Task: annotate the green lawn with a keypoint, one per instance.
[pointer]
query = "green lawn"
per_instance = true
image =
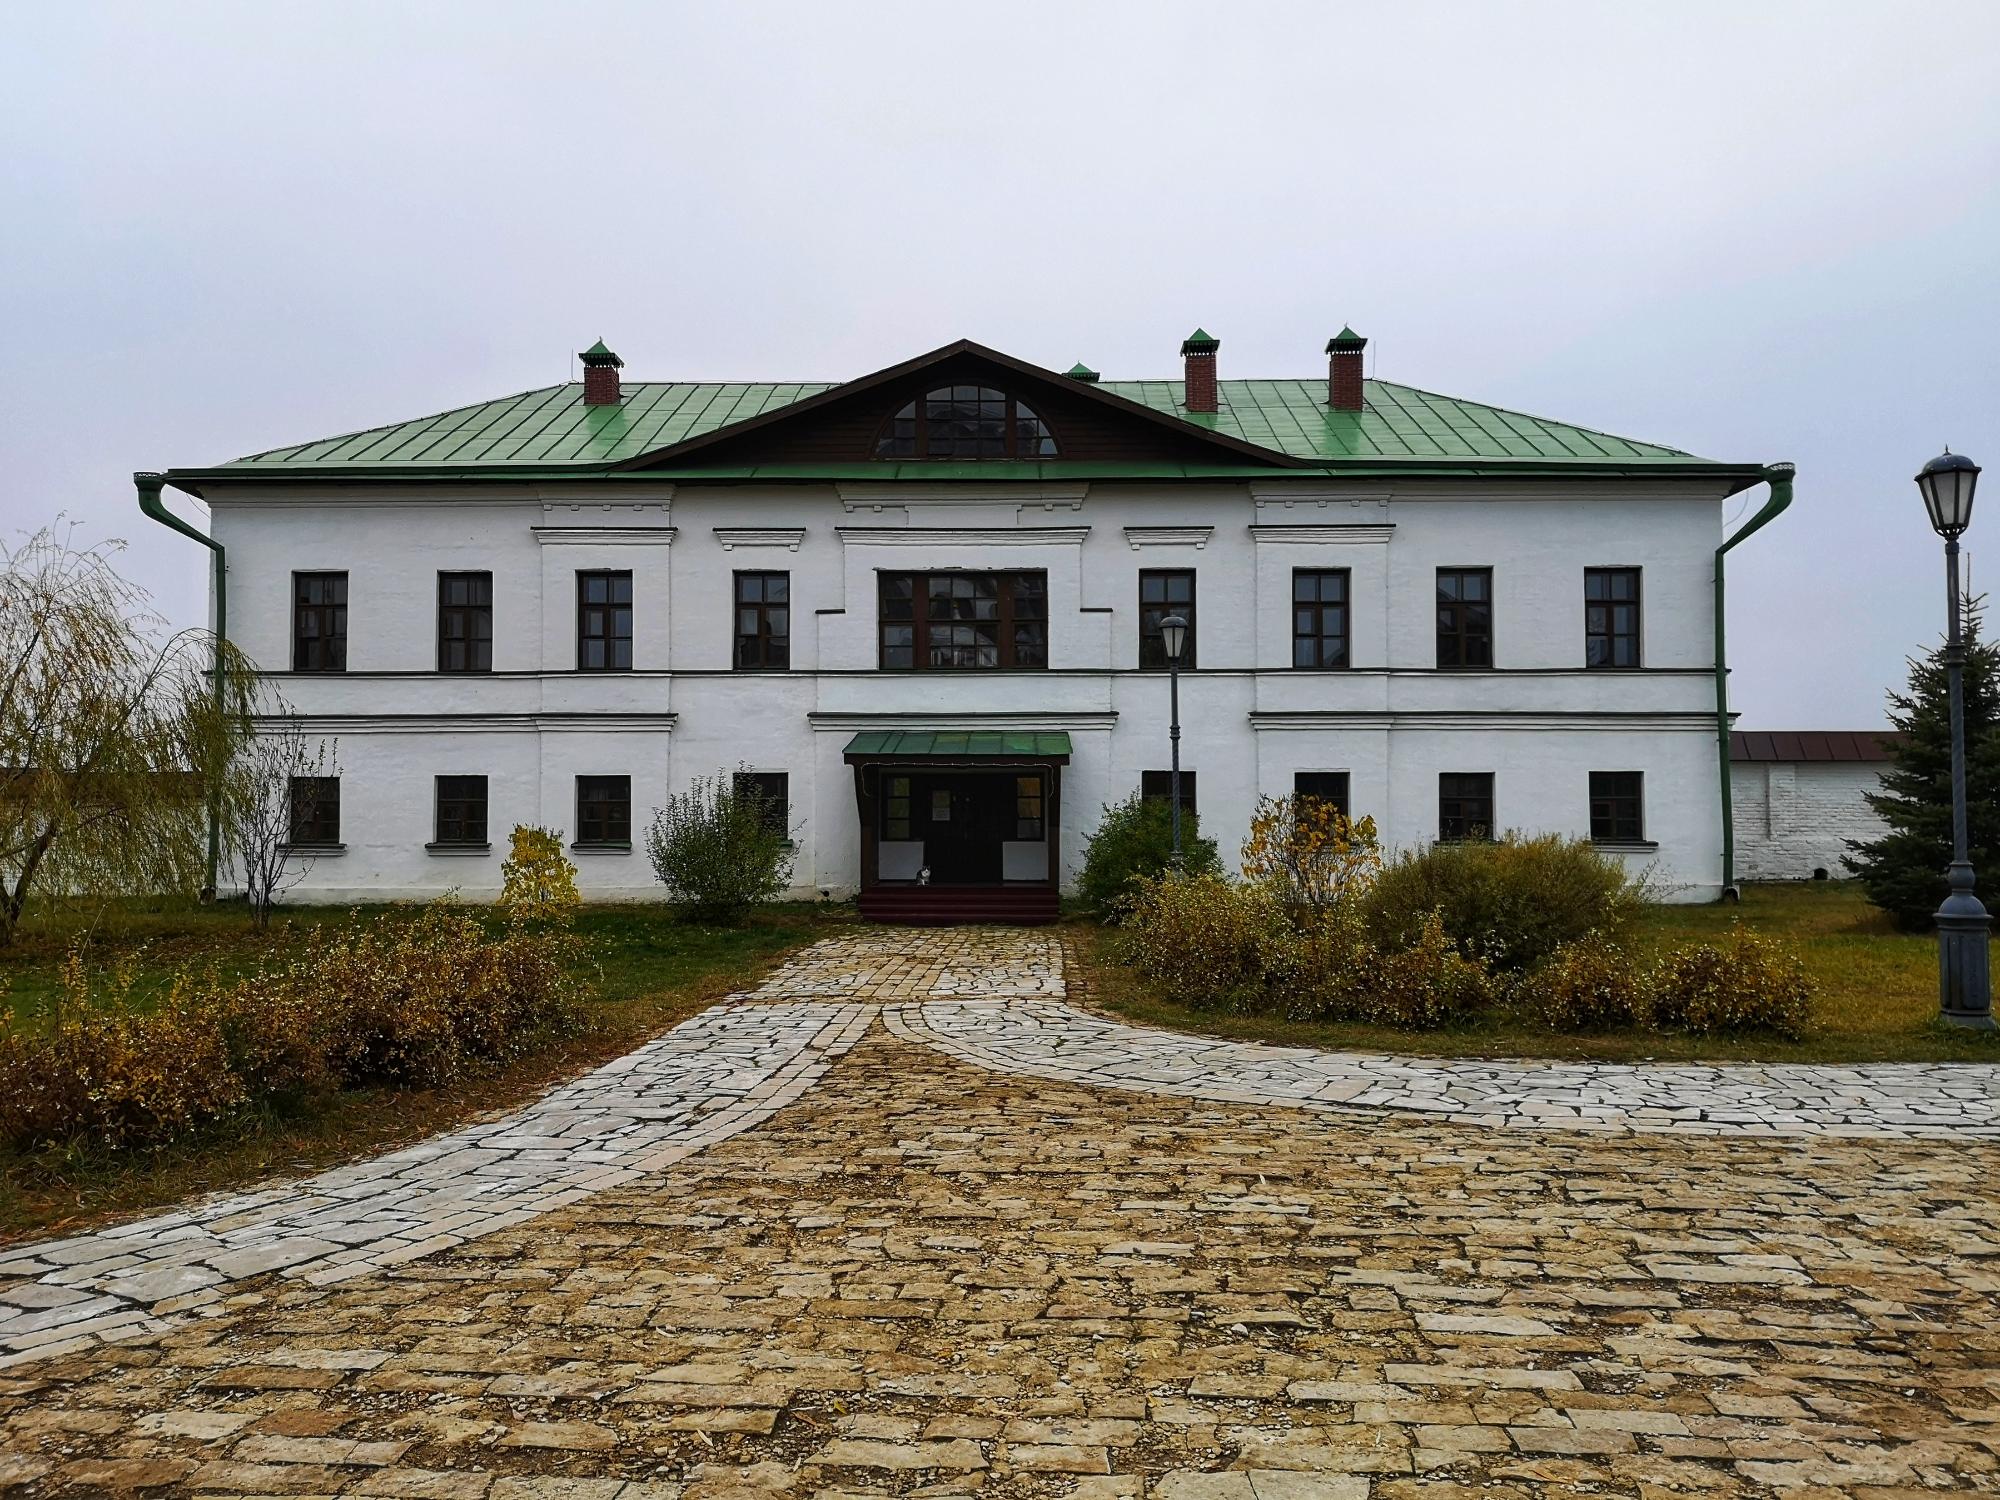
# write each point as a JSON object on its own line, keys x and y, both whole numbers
{"x": 650, "y": 972}
{"x": 1877, "y": 994}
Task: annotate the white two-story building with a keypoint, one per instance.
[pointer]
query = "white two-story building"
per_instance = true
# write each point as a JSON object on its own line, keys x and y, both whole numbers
{"x": 924, "y": 607}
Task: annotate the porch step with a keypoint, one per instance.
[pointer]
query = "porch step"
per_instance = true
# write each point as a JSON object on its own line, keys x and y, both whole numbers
{"x": 957, "y": 905}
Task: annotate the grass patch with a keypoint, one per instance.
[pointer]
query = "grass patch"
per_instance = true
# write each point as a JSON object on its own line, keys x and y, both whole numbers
{"x": 1877, "y": 999}
{"x": 651, "y": 972}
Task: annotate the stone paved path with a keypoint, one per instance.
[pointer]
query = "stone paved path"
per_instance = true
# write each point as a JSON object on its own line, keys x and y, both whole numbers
{"x": 933, "y": 1276}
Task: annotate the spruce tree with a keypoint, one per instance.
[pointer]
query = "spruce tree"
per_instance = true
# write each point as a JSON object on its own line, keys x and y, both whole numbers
{"x": 1903, "y": 869}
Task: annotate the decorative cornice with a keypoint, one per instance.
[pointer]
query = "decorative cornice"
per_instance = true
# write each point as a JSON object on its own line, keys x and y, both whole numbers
{"x": 1334, "y": 535}
{"x": 614, "y": 536}
{"x": 1318, "y": 492}
{"x": 451, "y": 723}
{"x": 830, "y": 722}
{"x": 874, "y": 494}
{"x": 1168, "y": 536}
{"x": 733, "y": 537}
{"x": 973, "y": 536}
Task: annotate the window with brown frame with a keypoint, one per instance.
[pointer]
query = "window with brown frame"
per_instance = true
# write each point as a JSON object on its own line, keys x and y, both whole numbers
{"x": 603, "y": 810}
{"x": 1163, "y": 592}
{"x": 954, "y": 622}
{"x": 465, "y": 622}
{"x": 1618, "y": 807}
{"x": 1611, "y": 617}
{"x": 965, "y": 421}
{"x": 896, "y": 808}
{"x": 1159, "y": 786}
{"x": 1465, "y": 617}
{"x": 1319, "y": 617}
{"x": 604, "y": 622}
{"x": 772, "y": 789}
{"x": 315, "y": 820}
{"x": 461, "y": 810}
{"x": 1030, "y": 822}
{"x": 763, "y": 621}
{"x": 1322, "y": 786}
{"x": 1465, "y": 805}
{"x": 319, "y": 622}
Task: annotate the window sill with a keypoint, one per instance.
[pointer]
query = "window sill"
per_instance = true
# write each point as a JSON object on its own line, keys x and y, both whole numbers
{"x": 600, "y": 848}
{"x": 465, "y": 851}
{"x": 317, "y": 851}
{"x": 1635, "y": 846}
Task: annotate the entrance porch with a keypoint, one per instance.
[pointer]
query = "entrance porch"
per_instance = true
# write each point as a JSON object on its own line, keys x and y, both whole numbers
{"x": 959, "y": 826}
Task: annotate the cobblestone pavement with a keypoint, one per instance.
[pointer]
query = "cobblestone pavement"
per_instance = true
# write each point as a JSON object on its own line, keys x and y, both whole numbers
{"x": 1049, "y": 1039}
{"x": 946, "y": 1270}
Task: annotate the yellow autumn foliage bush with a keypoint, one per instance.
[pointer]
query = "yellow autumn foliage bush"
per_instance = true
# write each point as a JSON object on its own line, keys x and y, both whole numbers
{"x": 1749, "y": 983}
{"x": 398, "y": 999}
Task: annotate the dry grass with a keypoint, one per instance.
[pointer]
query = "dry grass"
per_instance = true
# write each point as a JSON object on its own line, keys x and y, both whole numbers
{"x": 1877, "y": 994}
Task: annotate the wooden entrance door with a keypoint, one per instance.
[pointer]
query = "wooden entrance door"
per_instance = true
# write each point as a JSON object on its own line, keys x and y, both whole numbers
{"x": 964, "y": 817}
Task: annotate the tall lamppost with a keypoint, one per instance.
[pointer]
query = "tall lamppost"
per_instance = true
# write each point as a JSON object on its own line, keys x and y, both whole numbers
{"x": 1965, "y": 992}
{"x": 1173, "y": 636}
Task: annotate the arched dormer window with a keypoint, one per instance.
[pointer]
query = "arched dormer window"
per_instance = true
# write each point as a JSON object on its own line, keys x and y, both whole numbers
{"x": 965, "y": 421}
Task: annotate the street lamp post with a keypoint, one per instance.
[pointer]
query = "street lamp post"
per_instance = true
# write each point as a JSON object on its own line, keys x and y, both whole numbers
{"x": 1173, "y": 636}
{"x": 1965, "y": 994}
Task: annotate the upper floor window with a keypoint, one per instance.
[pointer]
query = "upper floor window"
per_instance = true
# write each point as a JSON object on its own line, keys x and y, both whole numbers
{"x": 319, "y": 622}
{"x": 965, "y": 421}
{"x": 604, "y": 622}
{"x": 465, "y": 622}
{"x": 1465, "y": 617}
{"x": 1319, "y": 617}
{"x": 963, "y": 621}
{"x": 1163, "y": 592}
{"x": 763, "y": 620}
{"x": 1611, "y": 617}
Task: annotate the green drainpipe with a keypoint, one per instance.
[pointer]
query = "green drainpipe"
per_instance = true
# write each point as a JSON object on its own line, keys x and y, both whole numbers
{"x": 1779, "y": 476}
{"x": 149, "y": 487}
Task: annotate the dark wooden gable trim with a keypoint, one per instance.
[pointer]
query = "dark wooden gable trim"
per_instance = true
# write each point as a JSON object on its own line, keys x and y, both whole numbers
{"x": 1072, "y": 408}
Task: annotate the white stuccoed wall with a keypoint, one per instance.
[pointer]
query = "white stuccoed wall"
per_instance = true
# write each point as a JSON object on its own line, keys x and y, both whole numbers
{"x": 1541, "y": 722}
{"x": 1794, "y": 817}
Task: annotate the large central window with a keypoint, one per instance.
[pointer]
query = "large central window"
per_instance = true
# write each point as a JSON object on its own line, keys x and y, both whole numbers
{"x": 966, "y": 421}
{"x": 946, "y": 622}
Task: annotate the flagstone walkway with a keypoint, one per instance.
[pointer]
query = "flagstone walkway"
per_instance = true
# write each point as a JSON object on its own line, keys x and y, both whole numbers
{"x": 1002, "y": 1246}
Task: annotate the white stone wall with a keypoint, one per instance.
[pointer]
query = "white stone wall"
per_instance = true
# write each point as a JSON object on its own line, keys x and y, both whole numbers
{"x": 1540, "y": 721}
{"x": 1794, "y": 817}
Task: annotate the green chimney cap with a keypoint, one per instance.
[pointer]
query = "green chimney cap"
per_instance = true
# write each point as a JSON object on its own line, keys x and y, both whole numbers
{"x": 597, "y": 355}
{"x": 1200, "y": 342}
{"x": 1347, "y": 340}
{"x": 1083, "y": 372}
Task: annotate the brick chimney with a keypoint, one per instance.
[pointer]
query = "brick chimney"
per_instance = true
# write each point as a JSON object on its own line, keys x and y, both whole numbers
{"x": 1343, "y": 370}
{"x": 600, "y": 376}
{"x": 1198, "y": 350}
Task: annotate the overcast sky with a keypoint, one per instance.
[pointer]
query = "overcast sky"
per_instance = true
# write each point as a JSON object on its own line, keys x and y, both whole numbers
{"x": 1754, "y": 231}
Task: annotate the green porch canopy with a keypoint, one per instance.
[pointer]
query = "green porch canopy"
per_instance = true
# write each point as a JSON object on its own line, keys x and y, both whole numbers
{"x": 925, "y": 744}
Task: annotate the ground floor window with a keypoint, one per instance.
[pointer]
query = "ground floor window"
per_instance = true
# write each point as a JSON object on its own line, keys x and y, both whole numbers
{"x": 896, "y": 808}
{"x": 1322, "y": 786}
{"x": 604, "y": 809}
{"x": 1617, "y": 807}
{"x": 461, "y": 810}
{"x": 1465, "y": 805}
{"x": 1028, "y": 810}
{"x": 1159, "y": 784}
{"x": 772, "y": 789}
{"x": 315, "y": 817}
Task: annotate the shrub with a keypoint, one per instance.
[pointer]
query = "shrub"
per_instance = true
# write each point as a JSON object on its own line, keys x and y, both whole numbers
{"x": 1750, "y": 983}
{"x": 1133, "y": 841}
{"x": 396, "y": 999}
{"x": 1584, "y": 986}
{"x": 1510, "y": 904}
{"x": 1423, "y": 986}
{"x": 1308, "y": 853}
{"x": 719, "y": 848}
{"x": 1202, "y": 940}
{"x": 538, "y": 880}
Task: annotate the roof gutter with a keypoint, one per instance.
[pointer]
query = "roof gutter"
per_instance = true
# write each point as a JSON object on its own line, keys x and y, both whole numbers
{"x": 1779, "y": 476}
{"x": 149, "y": 486}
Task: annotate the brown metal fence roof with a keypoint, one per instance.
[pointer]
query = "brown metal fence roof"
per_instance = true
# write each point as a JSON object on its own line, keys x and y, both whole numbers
{"x": 1813, "y": 744}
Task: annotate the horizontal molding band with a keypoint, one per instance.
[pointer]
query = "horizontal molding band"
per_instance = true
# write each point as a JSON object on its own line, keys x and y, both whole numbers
{"x": 1333, "y": 534}
{"x": 962, "y": 536}
{"x": 606, "y": 536}
{"x": 465, "y": 723}
{"x": 732, "y": 537}
{"x": 925, "y": 719}
{"x": 559, "y": 674}
{"x": 1692, "y": 721}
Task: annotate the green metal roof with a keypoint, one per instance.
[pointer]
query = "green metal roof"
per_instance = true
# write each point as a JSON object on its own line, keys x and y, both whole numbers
{"x": 550, "y": 431}
{"x": 960, "y": 744}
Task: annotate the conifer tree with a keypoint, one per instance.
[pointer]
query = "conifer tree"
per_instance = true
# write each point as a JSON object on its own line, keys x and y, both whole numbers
{"x": 1903, "y": 869}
